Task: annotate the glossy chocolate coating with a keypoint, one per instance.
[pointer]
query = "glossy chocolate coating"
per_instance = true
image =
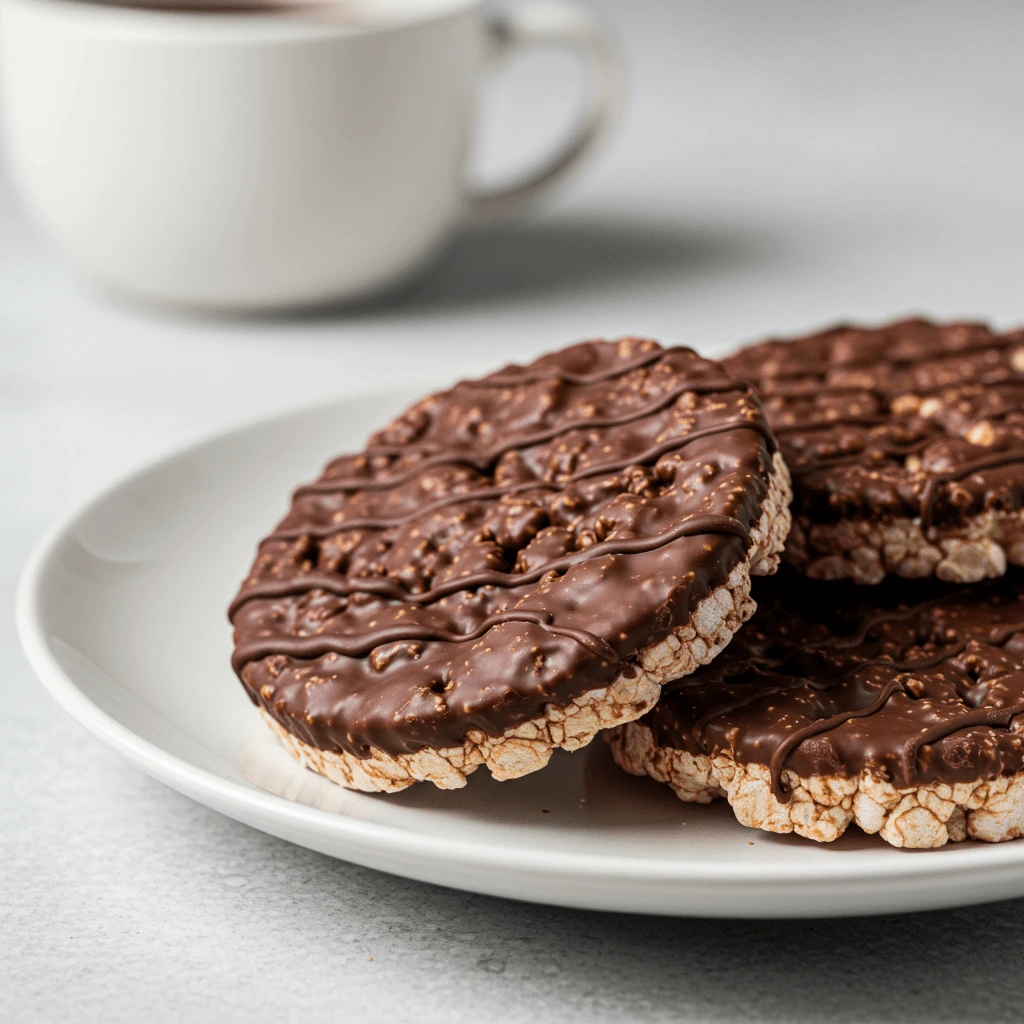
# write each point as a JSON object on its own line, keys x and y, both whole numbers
{"x": 912, "y": 419}
{"x": 507, "y": 544}
{"x": 920, "y": 680}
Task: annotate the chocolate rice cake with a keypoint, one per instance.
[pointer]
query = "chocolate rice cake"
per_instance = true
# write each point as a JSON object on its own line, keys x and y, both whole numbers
{"x": 511, "y": 566}
{"x": 899, "y": 708}
{"x": 906, "y": 447}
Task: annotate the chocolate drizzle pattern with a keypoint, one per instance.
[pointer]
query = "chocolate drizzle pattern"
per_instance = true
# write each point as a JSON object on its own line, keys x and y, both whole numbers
{"x": 358, "y": 646}
{"x": 485, "y": 460}
{"x": 507, "y": 544}
{"x": 912, "y": 419}
{"x": 516, "y": 376}
{"x": 650, "y": 455}
{"x": 692, "y": 526}
{"x": 920, "y": 686}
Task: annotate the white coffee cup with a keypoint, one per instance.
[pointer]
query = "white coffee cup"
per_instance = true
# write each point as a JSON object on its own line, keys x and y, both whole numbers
{"x": 261, "y": 160}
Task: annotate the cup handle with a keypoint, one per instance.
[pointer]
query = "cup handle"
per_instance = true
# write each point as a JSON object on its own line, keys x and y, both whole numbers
{"x": 566, "y": 25}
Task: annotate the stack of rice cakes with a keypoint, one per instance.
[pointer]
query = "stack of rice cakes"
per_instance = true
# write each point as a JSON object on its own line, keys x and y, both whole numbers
{"x": 588, "y": 545}
{"x": 881, "y": 680}
{"x": 512, "y": 566}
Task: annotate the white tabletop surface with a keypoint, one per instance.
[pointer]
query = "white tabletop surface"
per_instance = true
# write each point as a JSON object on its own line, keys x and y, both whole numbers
{"x": 782, "y": 164}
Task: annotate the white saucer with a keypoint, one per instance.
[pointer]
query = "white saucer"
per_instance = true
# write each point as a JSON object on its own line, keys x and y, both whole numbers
{"x": 122, "y": 614}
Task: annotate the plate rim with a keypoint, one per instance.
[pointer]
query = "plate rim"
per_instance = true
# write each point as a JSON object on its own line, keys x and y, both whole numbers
{"x": 195, "y": 781}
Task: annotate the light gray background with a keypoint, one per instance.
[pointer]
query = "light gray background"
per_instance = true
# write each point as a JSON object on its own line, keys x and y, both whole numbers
{"x": 783, "y": 164}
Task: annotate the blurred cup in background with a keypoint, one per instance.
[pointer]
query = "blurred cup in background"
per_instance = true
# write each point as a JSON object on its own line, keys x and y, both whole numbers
{"x": 253, "y": 154}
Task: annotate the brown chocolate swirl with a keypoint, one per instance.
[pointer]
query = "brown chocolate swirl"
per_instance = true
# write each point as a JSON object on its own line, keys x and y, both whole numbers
{"x": 912, "y": 419}
{"x": 501, "y": 546}
{"x": 486, "y": 459}
{"x": 692, "y": 526}
{"x": 922, "y": 682}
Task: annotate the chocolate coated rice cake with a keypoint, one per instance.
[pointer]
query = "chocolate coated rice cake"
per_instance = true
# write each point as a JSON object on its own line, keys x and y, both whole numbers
{"x": 511, "y": 566}
{"x": 900, "y": 708}
{"x": 906, "y": 447}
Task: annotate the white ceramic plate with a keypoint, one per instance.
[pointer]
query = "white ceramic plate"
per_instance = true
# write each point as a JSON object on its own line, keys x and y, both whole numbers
{"x": 121, "y": 612}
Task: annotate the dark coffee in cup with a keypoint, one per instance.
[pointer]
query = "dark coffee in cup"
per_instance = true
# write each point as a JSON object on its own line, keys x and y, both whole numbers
{"x": 333, "y": 9}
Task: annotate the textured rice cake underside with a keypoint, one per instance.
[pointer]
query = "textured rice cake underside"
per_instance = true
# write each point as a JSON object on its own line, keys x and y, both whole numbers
{"x": 821, "y": 808}
{"x": 866, "y": 550}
